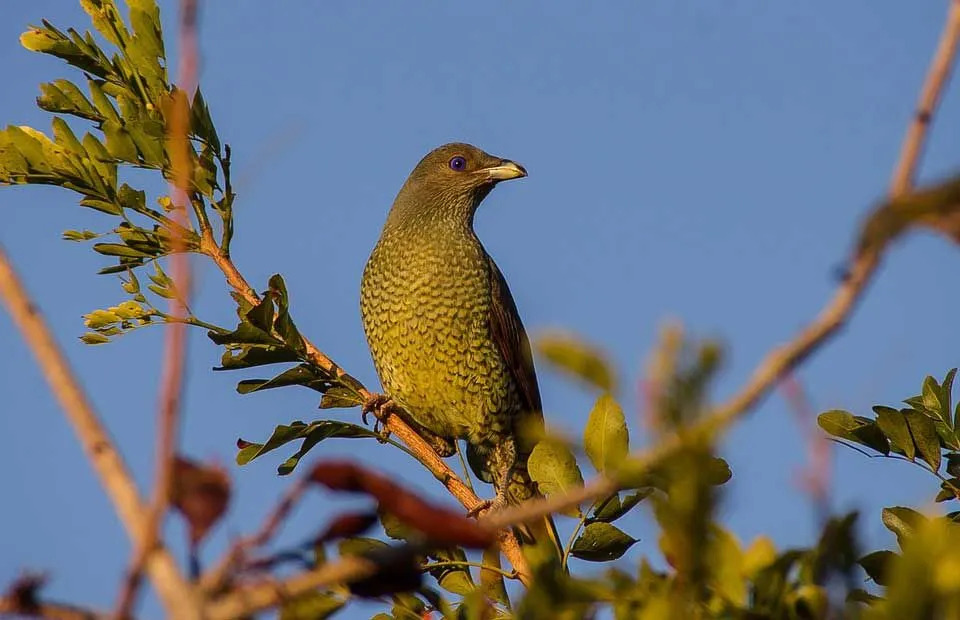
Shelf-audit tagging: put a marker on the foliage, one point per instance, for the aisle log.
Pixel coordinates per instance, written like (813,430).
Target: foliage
(124,106)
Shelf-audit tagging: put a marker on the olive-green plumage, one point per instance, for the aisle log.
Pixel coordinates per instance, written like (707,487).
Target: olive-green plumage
(443,329)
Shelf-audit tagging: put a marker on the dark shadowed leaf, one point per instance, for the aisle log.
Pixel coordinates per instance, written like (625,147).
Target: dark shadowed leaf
(894,426)
(875,564)
(925,437)
(616,507)
(902,521)
(601,542)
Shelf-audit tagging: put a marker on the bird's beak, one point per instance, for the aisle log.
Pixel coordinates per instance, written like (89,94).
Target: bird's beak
(504,171)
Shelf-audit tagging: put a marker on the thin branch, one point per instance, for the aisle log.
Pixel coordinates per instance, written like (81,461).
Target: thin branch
(245,600)
(217,578)
(784,359)
(465,564)
(106,460)
(171,390)
(48,610)
(937,76)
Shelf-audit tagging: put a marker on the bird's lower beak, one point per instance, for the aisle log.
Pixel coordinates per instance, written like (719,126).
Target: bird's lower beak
(505,171)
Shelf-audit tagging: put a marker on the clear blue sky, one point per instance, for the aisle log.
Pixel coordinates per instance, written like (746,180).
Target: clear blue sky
(703,161)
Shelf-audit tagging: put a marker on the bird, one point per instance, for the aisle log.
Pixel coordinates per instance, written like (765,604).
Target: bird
(443,329)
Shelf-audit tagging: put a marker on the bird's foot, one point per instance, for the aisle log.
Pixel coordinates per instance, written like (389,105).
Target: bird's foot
(488,505)
(377,404)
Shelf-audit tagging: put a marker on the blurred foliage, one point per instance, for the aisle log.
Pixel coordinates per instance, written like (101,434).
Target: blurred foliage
(123,107)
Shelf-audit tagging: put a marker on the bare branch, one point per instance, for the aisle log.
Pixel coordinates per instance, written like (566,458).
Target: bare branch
(106,460)
(168,411)
(784,359)
(937,76)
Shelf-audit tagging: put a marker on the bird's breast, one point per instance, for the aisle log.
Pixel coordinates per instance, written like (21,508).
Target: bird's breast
(426,311)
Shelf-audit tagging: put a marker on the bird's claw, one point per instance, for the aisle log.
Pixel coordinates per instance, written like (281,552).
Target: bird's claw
(488,505)
(378,405)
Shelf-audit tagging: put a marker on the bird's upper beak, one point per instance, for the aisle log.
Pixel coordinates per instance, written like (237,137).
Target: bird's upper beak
(504,171)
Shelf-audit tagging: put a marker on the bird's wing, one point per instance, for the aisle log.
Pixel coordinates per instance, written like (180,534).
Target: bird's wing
(511,339)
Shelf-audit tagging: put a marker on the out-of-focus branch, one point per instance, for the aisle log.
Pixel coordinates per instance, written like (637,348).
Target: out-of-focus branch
(217,578)
(424,453)
(244,600)
(48,611)
(23,599)
(784,359)
(175,348)
(174,591)
(937,76)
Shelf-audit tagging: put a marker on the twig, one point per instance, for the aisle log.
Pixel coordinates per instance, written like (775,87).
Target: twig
(245,600)
(937,75)
(171,390)
(784,359)
(107,462)
(420,448)
(217,578)
(48,610)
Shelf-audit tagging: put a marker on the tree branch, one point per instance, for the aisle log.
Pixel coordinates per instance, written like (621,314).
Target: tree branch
(171,390)
(173,589)
(784,359)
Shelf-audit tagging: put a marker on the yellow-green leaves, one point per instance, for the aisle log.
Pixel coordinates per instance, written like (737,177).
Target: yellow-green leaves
(553,467)
(573,356)
(605,438)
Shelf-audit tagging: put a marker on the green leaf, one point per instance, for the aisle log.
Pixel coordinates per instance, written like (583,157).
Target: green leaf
(601,542)
(303,374)
(894,426)
(605,437)
(79,235)
(339,397)
(63,96)
(94,338)
(858,429)
(946,393)
(360,546)
(310,606)
(119,249)
(875,565)
(902,521)
(246,333)
(312,434)
(248,357)
(614,508)
(924,436)
(553,467)
(575,357)
(200,122)
(326,429)
(948,488)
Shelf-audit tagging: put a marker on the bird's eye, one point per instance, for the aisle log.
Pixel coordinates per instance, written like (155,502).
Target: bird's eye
(458,163)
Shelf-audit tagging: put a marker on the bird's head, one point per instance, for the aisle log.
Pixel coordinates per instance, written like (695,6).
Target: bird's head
(451,181)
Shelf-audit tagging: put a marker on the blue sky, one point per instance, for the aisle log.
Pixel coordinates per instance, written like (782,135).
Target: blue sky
(700,161)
